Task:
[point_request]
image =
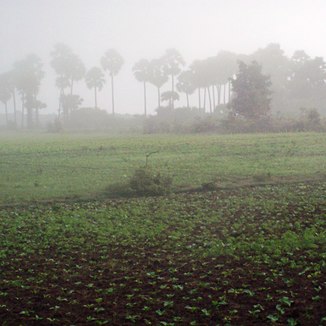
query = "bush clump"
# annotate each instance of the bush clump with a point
(148, 182)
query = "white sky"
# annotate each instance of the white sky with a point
(145, 28)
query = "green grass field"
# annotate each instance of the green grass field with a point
(251, 252)
(59, 166)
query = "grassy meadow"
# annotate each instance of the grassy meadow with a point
(59, 166)
(251, 251)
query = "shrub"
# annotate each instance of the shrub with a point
(146, 181)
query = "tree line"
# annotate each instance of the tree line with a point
(282, 83)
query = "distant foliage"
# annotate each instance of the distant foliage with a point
(146, 181)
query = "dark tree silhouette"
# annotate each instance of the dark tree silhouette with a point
(251, 92)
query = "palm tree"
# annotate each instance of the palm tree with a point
(172, 62)
(157, 77)
(141, 71)
(112, 61)
(95, 79)
(186, 84)
(28, 75)
(5, 92)
(67, 64)
(69, 69)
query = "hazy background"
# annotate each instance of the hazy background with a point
(145, 29)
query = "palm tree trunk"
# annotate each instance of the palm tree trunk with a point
(6, 111)
(172, 100)
(204, 109)
(210, 100)
(187, 96)
(199, 100)
(37, 120)
(15, 108)
(218, 87)
(224, 93)
(23, 109)
(214, 103)
(29, 117)
(95, 96)
(159, 96)
(112, 94)
(71, 86)
(230, 85)
(145, 100)
(36, 112)
(60, 102)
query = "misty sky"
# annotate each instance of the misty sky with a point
(145, 28)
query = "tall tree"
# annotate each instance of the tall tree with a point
(186, 84)
(95, 79)
(172, 63)
(198, 70)
(5, 92)
(112, 62)
(28, 75)
(251, 92)
(158, 77)
(68, 67)
(142, 72)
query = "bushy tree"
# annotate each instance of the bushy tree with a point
(251, 91)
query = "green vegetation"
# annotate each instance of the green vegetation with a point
(248, 247)
(241, 256)
(60, 166)
(146, 181)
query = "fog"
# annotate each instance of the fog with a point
(145, 29)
